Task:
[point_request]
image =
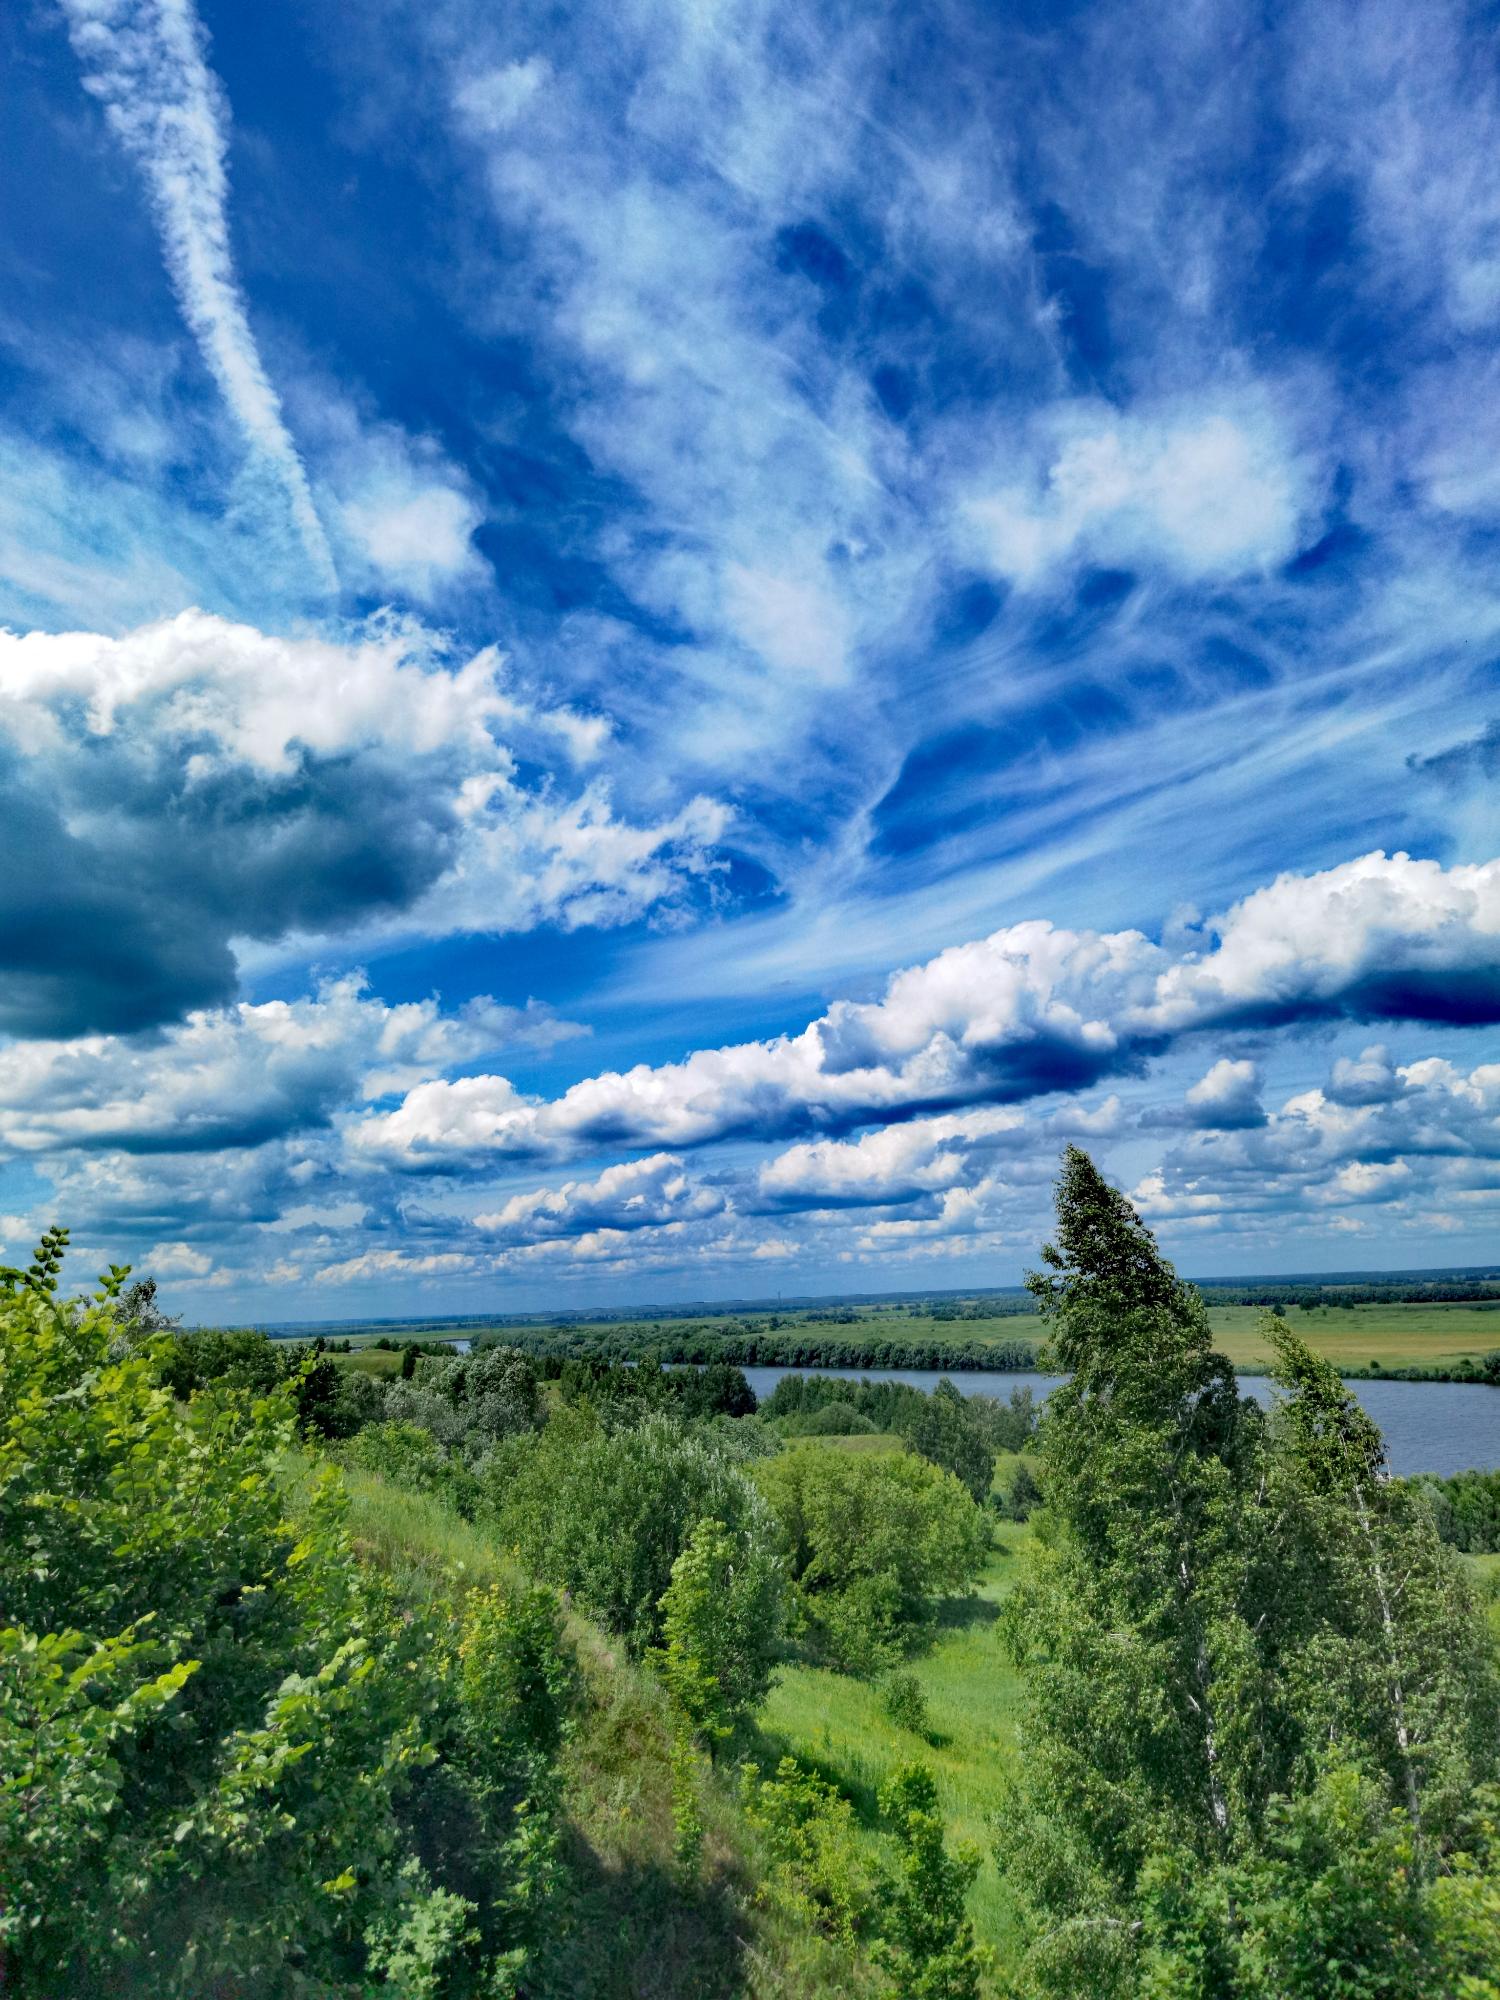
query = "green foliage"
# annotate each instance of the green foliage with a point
(945, 1432)
(835, 1419)
(713, 1391)
(1465, 1510)
(469, 1403)
(906, 1704)
(721, 1622)
(410, 1457)
(927, 1942)
(216, 1735)
(871, 1542)
(819, 1871)
(1023, 1496)
(1260, 1696)
(606, 1513)
(188, 1362)
(687, 1808)
(40, 1275)
(1333, 1902)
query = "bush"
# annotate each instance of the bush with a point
(721, 1623)
(871, 1543)
(470, 1403)
(906, 1704)
(830, 1420)
(408, 1456)
(216, 1732)
(606, 1514)
(927, 1941)
(819, 1873)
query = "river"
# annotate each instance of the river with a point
(1440, 1427)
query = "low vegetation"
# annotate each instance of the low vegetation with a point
(540, 1674)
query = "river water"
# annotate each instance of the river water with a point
(1440, 1427)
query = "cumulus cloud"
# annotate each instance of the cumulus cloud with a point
(1425, 1128)
(639, 1194)
(1028, 1010)
(243, 1075)
(144, 61)
(926, 1156)
(197, 782)
(1227, 1098)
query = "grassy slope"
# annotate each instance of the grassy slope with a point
(840, 1726)
(640, 1927)
(644, 1929)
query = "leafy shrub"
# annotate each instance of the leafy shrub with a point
(1465, 1509)
(927, 1942)
(409, 1456)
(819, 1872)
(470, 1403)
(188, 1362)
(830, 1420)
(871, 1542)
(906, 1704)
(216, 1733)
(606, 1513)
(721, 1626)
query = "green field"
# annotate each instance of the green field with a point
(1392, 1335)
(1397, 1336)
(839, 1725)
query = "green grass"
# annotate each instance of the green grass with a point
(839, 1725)
(1397, 1336)
(379, 1361)
(640, 1926)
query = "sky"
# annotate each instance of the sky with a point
(647, 651)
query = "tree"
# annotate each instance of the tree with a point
(1390, 1656)
(927, 1940)
(721, 1627)
(212, 1719)
(1257, 1685)
(606, 1513)
(871, 1543)
(945, 1433)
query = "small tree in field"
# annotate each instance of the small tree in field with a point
(928, 1942)
(721, 1623)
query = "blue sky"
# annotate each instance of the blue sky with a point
(648, 651)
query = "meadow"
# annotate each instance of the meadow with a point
(1389, 1335)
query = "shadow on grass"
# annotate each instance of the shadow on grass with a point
(963, 1614)
(638, 1929)
(850, 1774)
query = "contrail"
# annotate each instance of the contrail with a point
(143, 59)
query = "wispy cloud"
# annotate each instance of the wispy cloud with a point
(144, 61)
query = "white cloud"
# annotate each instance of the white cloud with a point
(639, 1194)
(242, 1075)
(491, 103)
(178, 1260)
(143, 60)
(1433, 1132)
(415, 538)
(462, 792)
(1028, 1010)
(1202, 493)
